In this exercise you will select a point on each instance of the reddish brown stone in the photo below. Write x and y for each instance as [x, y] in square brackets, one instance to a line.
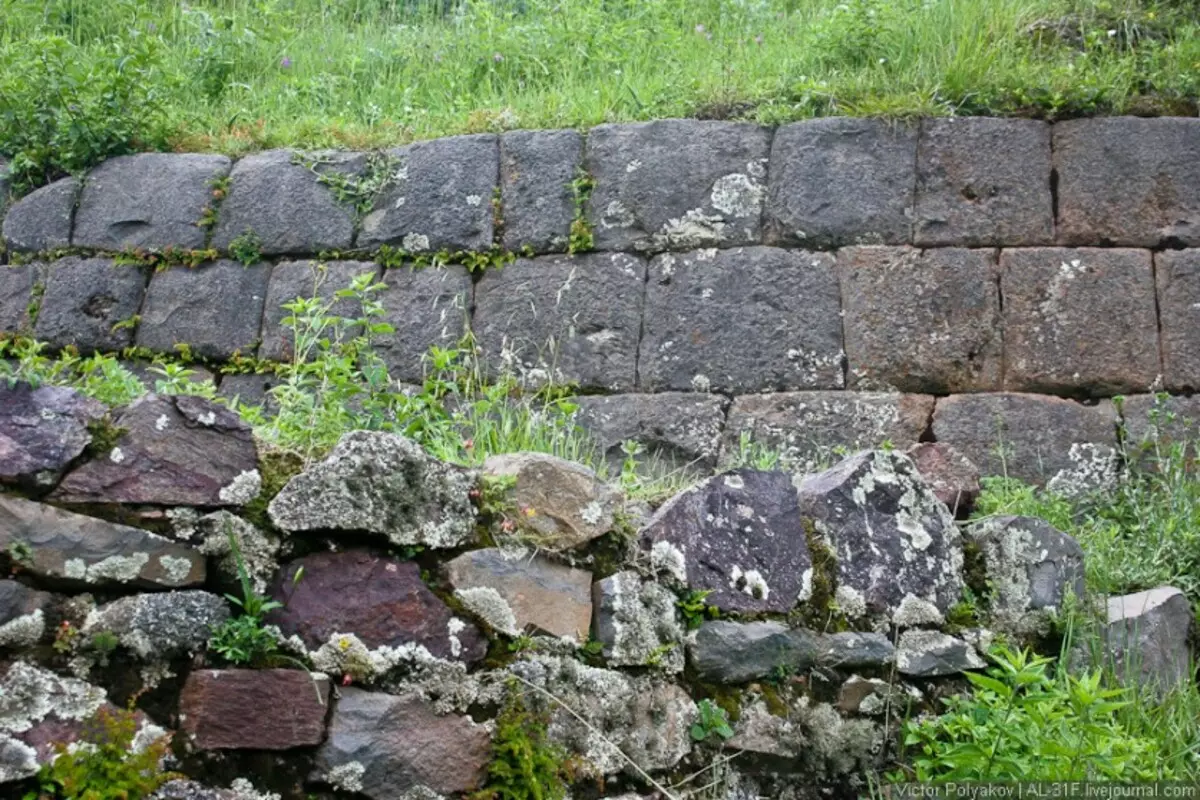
[254, 709]
[953, 477]
[382, 601]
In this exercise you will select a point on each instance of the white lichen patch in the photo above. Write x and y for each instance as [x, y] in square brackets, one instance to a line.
[737, 195]
[183, 522]
[176, 569]
[454, 627]
[617, 215]
[474, 200]
[118, 569]
[75, 569]
[850, 602]
[1093, 468]
[750, 582]
[23, 631]
[701, 383]
[116, 455]
[806, 579]
[242, 489]
[693, 230]
[666, 557]
[17, 759]
[415, 242]
[243, 789]
[486, 603]
[914, 612]
[347, 777]
[592, 513]
[29, 694]
[162, 423]
[207, 419]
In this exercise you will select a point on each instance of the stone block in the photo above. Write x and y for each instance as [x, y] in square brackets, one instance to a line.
[983, 182]
[91, 304]
[426, 307]
[1079, 321]
[16, 293]
[679, 430]
[841, 181]
[254, 709]
[677, 184]
[1147, 638]
[536, 171]
[1177, 275]
[751, 319]
[1128, 181]
[562, 319]
[306, 279]
[41, 220]
[921, 320]
[215, 309]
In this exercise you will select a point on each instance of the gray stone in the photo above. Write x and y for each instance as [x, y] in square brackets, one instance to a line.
[564, 319]
[88, 552]
[214, 309]
[724, 651]
[426, 307]
[564, 505]
[514, 593]
[34, 705]
[874, 697]
[638, 623]
[747, 320]
[440, 197]
[307, 279]
[1177, 275]
[380, 483]
[42, 431]
[156, 627]
[16, 295]
[841, 181]
[90, 304]
[536, 172]
[929, 654]
[1033, 438]
[896, 544]
[1079, 320]
[178, 450]
[921, 320]
[285, 204]
[191, 790]
[248, 388]
[23, 615]
[1154, 423]
[953, 477]
[1031, 569]
[677, 184]
[678, 430]
[1147, 638]
[811, 430]
[41, 220]
[983, 182]
[851, 650]
[740, 536]
[387, 747]
[148, 200]
[1128, 181]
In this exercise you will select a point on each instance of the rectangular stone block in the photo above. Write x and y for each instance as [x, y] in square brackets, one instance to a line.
[677, 184]
[983, 182]
[1177, 275]
[90, 304]
[152, 200]
[921, 320]
[285, 205]
[1041, 440]
[215, 309]
[811, 431]
[752, 319]
[426, 307]
[841, 181]
[564, 319]
[536, 171]
[440, 197]
[1079, 321]
[41, 220]
[679, 430]
[16, 293]
[1128, 181]
[307, 279]
[252, 709]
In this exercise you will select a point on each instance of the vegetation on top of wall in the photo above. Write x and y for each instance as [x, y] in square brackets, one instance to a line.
[81, 80]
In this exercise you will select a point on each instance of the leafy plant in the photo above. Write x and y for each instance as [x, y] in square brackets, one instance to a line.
[524, 765]
[695, 608]
[243, 639]
[581, 238]
[712, 721]
[247, 248]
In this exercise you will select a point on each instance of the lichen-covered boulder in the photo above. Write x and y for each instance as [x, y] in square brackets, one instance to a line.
[256, 709]
[1147, 638]
[38, 707]
[952, 476]
[738, 535]
[258, 550]
[725, 651]
[154, 627]
[380, 483]
[855, 650]
[42, 431]
[91, 553]
[638, 622]
[172, 450]
[929, 654]
[22, 614]
[563, 504]
[897, 548]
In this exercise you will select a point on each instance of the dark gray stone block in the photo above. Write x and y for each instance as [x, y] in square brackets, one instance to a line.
[841, 181]
[1177, 279]
[679, 430]
[677, 184]
[306, 279]
[536, 171]
[85, 301]
[41, 220]
[16, 293]
[151, 200]
[725, 651]
[564, 318]
[214, 309]
[751, 319]
[426, 307]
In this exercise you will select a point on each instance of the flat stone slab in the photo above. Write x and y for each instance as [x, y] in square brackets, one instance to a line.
[285, 205]
[515, 593]
[725, 651]
[1128, 181]
[1045, 440]
[563, 505]
[253, 709]
[536, 172]
[929, 654]
[1177, 279]
[440, 197]
[812, 430]
[161, 626]
[738, 535]
[1147, 638]
[42, 431]
[983, 182]
[88, 552]
[290, 280]
[564, 319]
[679, 430]
[16, 294]
[90, 304]
[214, 309]
[41, 220]
[921, 320]
[676, 184]
[150, 200]
[854, 650]
[704, 308]
[426, 307]
[841, 181]
[382, 601]
[1079, 320]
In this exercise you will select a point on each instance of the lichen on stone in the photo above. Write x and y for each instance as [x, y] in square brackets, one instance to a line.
[242, 489]
[488, 604]
[347, 777]
[23, 631]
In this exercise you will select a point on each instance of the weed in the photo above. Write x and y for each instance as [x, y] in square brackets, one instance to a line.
[712, 721]
[104, 644]
[581, 238]
[243, 639]
[357, 190]
[246, 249]
[695, 608]
[524, 764]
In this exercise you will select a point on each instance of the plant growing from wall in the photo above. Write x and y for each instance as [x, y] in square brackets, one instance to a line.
[581, 238]
[246, 249]
[712, 721]
[243, 639]
[524, 765]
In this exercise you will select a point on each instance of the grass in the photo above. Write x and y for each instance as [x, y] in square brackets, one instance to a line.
[239, 75]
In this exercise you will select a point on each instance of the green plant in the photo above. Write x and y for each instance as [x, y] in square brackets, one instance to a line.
[712, 720]
[246, 248]
[104, 644]
[524, 764]
[359, 190]
[695, 608]
[581, 238]
[243, 639]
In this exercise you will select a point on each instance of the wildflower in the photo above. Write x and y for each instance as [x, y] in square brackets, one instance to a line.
[758, 39]
[507, 526]
[468, 444]
[285, 62]
[497, 57]
[347, 679]
[699, 28]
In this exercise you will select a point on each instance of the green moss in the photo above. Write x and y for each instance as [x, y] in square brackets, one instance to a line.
[525, 765]
[105, 435]
[974, 568]
[820, 612]
[773, 698]
[276, 467]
